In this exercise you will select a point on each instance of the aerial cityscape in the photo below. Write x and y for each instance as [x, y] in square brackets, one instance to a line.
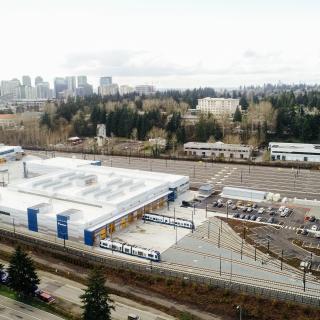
[160, 160]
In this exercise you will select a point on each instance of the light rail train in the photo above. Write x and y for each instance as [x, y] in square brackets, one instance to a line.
[129, 249]
[159, 218]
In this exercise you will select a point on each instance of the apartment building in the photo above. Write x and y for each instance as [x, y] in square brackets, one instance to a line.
[218, 106]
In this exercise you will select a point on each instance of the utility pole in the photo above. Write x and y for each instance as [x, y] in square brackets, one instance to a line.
[255, 252]
[14, 226]
[220, 264]
[174, 218]
[219, 239]
[227, 211]
[241, 177]
[208, 228]
[206, 210]
[281, 266]
[244, 233]
[241, 249]
[176, 235]
[193, 212]
[304, 278]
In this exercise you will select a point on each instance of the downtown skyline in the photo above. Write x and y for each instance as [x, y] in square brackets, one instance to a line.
[197, 44]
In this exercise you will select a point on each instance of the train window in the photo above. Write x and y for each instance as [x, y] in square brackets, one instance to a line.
[140, 253]
[150, 255]
[126, 250]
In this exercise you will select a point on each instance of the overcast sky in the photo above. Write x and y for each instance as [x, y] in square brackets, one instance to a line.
[170, 43]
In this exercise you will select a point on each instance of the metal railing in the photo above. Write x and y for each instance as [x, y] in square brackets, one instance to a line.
[157, 269]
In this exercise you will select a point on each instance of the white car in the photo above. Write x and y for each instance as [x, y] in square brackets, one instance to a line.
[259, 219]
[314, 228]
[229, 202]
[283, 213]
[282, 208]
[261, 210]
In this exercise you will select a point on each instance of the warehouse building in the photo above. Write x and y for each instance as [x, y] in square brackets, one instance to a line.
[294, 152]
[80, 200]
[218, 150]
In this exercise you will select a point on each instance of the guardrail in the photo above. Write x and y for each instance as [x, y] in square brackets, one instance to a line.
[154, 268]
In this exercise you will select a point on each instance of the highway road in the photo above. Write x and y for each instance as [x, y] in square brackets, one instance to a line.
[70, 291]
[288, 182]
[11, 309]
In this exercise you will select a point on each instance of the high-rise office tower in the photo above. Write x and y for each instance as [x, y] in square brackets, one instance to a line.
[26, 81]
[37, 80]
[43, 90]
[71, 83]
[105, 81]
[60, 85]
[82, 80]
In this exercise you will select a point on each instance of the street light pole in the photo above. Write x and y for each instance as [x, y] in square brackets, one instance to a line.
[193, 212]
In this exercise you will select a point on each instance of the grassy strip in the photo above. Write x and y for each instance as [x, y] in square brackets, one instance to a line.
[36, 303]
[208, 298]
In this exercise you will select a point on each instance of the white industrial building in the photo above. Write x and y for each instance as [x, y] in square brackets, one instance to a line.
[244, 194]
[10, 152]
[218, 106]
[82, 201]
[294, 152]
[218, 150]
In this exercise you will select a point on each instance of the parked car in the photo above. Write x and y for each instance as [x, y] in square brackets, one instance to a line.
[249, 204]
[272, 213]
[304, 232]
[283, 214]
[234, 207]
[133, 317]
[247, 217]
[236, 215]
[242, 215]
[314, 227]
[239, 203]
[220, 205]
[282, 208]
[253, 218]
[261, 210]
[271, 220]
[249, 209]
[244, 209]
[312, 219]
[215, 203]
[229, 202]
[185, 204]
[254, 206]
[270, 209]
[259, 219]
[4, 277]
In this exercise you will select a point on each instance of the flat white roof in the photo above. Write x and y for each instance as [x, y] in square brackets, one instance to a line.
[101, 193]
[16, 200]
[294, 147]
[209, 145]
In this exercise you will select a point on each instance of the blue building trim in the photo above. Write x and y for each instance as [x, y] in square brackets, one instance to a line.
[62, 227]
[88, 237]
[33, 219]
[172, 195]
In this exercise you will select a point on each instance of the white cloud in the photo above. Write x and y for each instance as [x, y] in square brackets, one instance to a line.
[172, 43]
